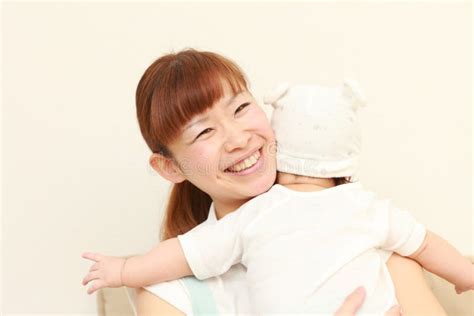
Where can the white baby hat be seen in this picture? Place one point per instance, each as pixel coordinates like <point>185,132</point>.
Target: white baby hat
<point>317,129</point>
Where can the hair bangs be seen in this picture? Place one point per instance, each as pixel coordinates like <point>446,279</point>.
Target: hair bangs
<point>190,86</point>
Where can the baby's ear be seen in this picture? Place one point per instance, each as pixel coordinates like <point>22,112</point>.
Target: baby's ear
<point>275,94</point>
<point>351,91</point>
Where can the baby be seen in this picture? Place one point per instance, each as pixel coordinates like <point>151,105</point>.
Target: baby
<point>306,243</point>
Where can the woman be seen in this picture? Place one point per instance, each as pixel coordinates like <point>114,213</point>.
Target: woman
<point>199,119</point>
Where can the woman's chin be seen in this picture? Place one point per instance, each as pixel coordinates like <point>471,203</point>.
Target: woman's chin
<point>262,185</point>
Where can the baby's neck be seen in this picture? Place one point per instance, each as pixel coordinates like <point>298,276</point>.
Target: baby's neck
<point>304,183</point>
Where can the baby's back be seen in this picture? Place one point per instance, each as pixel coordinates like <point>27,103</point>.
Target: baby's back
<point>308,250</point>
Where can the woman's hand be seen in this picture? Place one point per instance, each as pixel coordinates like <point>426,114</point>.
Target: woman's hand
<point>106,271</point>
<point>353,302</point>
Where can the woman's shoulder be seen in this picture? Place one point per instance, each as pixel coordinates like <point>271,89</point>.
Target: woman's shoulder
<point>147,303</point>
<point>174,292</point>
<point>163,297</point>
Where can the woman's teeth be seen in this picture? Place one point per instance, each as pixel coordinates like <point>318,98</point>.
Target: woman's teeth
<point>245,164</point>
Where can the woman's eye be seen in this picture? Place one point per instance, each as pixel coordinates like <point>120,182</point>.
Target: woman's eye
<point>241,107</point>
<point>204,132</point>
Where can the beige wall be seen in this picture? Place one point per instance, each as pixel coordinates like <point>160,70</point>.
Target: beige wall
<point>75,174</point>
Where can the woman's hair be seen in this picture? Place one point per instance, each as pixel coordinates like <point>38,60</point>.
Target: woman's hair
<point>174,89</point>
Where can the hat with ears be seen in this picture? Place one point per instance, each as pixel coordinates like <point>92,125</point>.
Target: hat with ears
<point>317,128</point>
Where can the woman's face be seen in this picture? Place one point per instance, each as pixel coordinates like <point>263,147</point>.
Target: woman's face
<point>228,151</point>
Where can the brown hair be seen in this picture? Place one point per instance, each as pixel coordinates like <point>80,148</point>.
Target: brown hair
<point>339,181</point>
<point>174,89</point>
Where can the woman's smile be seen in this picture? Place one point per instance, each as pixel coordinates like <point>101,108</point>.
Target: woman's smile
<point>248,165</point>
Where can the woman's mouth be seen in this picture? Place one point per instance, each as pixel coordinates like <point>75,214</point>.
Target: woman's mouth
<point>247,165</point>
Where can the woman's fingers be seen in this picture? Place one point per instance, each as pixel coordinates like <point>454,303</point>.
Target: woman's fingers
<point>92,256</point>
<point>91,276</point>
<point>394,311</point>
<point>352,303</point>
<point>95,286</point>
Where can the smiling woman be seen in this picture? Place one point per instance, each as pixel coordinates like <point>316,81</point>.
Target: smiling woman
<point>201,123</point>
<point>213,152</point>
<point>216,137</point>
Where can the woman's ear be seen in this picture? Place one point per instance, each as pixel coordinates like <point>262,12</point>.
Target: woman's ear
<point>166,167</point>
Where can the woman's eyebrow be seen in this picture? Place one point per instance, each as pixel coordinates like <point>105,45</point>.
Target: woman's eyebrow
<point>203,119</point>
<point>234,97</point>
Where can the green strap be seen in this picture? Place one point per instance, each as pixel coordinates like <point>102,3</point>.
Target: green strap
<point>202,300</point>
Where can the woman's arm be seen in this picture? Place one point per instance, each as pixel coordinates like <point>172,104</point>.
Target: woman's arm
<point>151,304</point>
<point>413,293</point>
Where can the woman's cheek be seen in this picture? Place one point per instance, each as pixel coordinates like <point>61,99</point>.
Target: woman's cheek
<point>203,159</point>
<point>259,120</point>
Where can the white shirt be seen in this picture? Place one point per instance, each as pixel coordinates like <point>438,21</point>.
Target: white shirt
<point>306,251</point>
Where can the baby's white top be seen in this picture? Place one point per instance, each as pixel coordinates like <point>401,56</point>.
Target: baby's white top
<point>306,251</point>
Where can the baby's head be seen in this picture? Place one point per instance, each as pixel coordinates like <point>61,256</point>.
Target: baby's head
<point>317,129</point>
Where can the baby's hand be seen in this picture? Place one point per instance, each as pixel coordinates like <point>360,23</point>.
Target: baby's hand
<point>460,289</point>
<point>469,285</point>
<point>106,271</point>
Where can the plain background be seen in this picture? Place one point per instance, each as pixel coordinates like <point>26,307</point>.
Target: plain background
<point>75,173</point>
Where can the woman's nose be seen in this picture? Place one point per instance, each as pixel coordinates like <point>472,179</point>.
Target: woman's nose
<point>236,138</point>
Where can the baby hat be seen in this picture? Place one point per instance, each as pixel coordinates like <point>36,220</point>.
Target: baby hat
<point>317,128</point>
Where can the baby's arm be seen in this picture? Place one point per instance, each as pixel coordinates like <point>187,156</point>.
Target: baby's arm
<point>205,251</point>
<point>409,238</point>
<point>441,258</point>
<point>164,262</point>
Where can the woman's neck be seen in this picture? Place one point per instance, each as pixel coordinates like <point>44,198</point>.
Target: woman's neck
<point>303,183</point>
